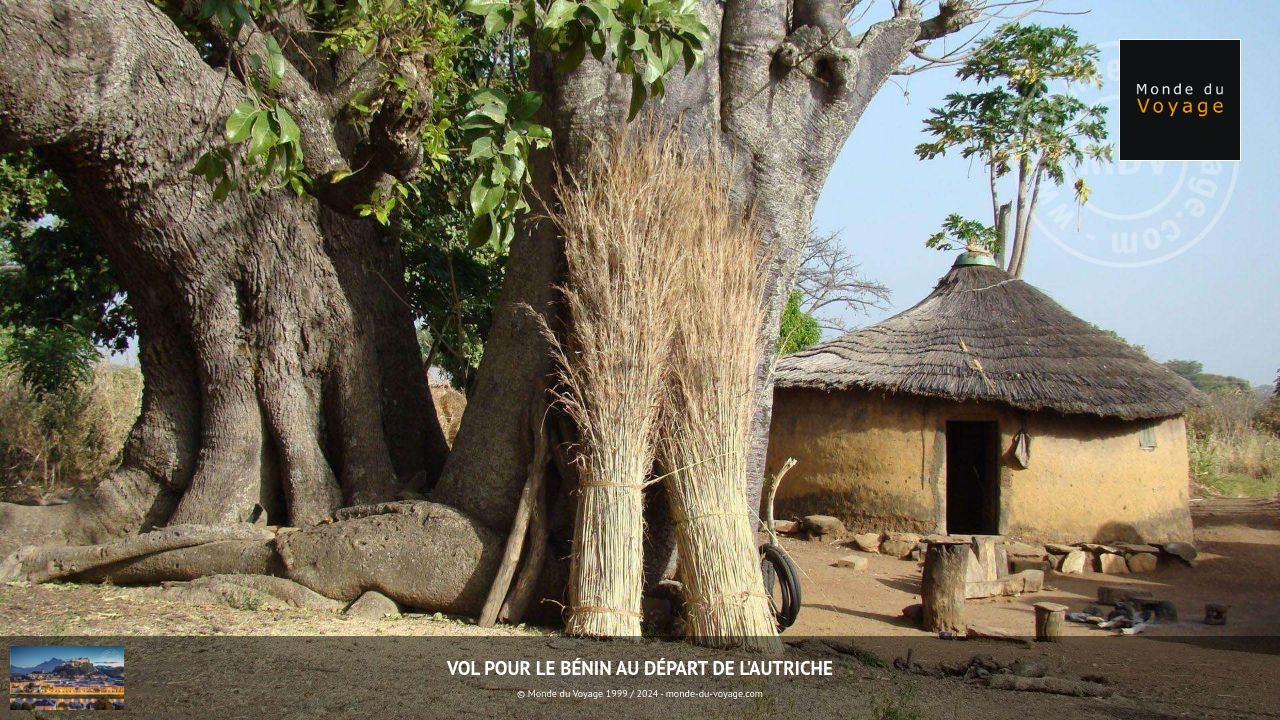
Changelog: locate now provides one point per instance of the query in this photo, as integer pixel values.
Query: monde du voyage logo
(1180, 100)
(1178, 106)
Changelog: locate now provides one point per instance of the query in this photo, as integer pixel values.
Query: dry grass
(1233, 444)
(67, 440)
(614, 218)
(718, 311)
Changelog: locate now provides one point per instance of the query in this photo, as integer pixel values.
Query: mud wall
(879, 462)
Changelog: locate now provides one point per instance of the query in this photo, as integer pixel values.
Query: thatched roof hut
(984, 336)
(884, 416)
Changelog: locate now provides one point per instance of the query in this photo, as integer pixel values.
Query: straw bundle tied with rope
(663, 308)
(614, 218)
(706, 419)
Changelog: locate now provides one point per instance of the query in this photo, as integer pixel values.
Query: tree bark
(778, 94)
(942, 589)
(280, 365)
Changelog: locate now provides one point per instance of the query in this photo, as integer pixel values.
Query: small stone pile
(1068, 559)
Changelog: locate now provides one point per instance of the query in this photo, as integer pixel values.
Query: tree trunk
(942, 589)
(779, 93)
(280, 366)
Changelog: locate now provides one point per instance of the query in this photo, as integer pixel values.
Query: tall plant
(1019, 128)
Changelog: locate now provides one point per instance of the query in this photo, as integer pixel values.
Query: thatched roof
(983, 335)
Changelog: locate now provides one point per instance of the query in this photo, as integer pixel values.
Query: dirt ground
(1178, 670)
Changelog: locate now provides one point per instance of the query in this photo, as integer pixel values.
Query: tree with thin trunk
(1019, 129)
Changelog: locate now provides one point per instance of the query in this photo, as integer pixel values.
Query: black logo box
(1185, 65)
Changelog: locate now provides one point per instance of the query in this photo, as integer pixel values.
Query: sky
(1204, 289)
(25, 656)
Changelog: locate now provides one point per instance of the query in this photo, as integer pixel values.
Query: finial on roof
(975, 255)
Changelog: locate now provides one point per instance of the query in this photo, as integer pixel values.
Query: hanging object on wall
(1022, 449)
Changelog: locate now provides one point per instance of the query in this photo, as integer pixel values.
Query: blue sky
(25, 656)
(1203, 290)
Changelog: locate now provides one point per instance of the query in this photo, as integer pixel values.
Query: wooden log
(943, 587)
(530, 572)
(1049, 621)
(520, 525)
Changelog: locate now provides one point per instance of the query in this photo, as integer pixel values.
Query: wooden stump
(1049, 619)
(942, 589)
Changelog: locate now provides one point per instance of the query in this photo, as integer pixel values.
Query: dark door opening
(973, 478)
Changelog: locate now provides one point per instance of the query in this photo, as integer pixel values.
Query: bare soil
(206, 665)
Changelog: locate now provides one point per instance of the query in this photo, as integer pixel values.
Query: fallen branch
(520, 526)
(530, 574)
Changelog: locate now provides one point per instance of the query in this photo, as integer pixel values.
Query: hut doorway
(973, 478)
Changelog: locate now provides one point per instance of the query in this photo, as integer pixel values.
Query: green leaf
(573, 57)
(340, 175)
(289, 132)
(240, 121)
(275, 62)
(262, 138)
(480, 230)
(637, 97)
(484, 196)
(482, 148)
(560, 12)
(526, 104)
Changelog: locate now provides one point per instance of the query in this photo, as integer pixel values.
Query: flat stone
(867, 542)
(823, 525)
(1021, 549)
(1137, 548)
(1110, 564)
(1058, 549)
(373, 605)
(853, 562)
(1142, 562)
(1073, 563)
(983, 589)
(1096, 549)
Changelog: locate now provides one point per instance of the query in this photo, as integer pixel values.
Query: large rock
(867, 542)
(1142, 562)
(897, 548)
(823, 526)
(1073, 563)
(373, 605)
(1186, 552)
(1110, 564)
(853, 562)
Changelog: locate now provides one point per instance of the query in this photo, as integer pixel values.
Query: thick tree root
(420, 554)
(43, 563)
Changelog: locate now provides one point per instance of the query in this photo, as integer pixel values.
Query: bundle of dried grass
(718, 314)
(614, 217)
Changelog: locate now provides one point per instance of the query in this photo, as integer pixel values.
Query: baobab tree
(282, 375)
